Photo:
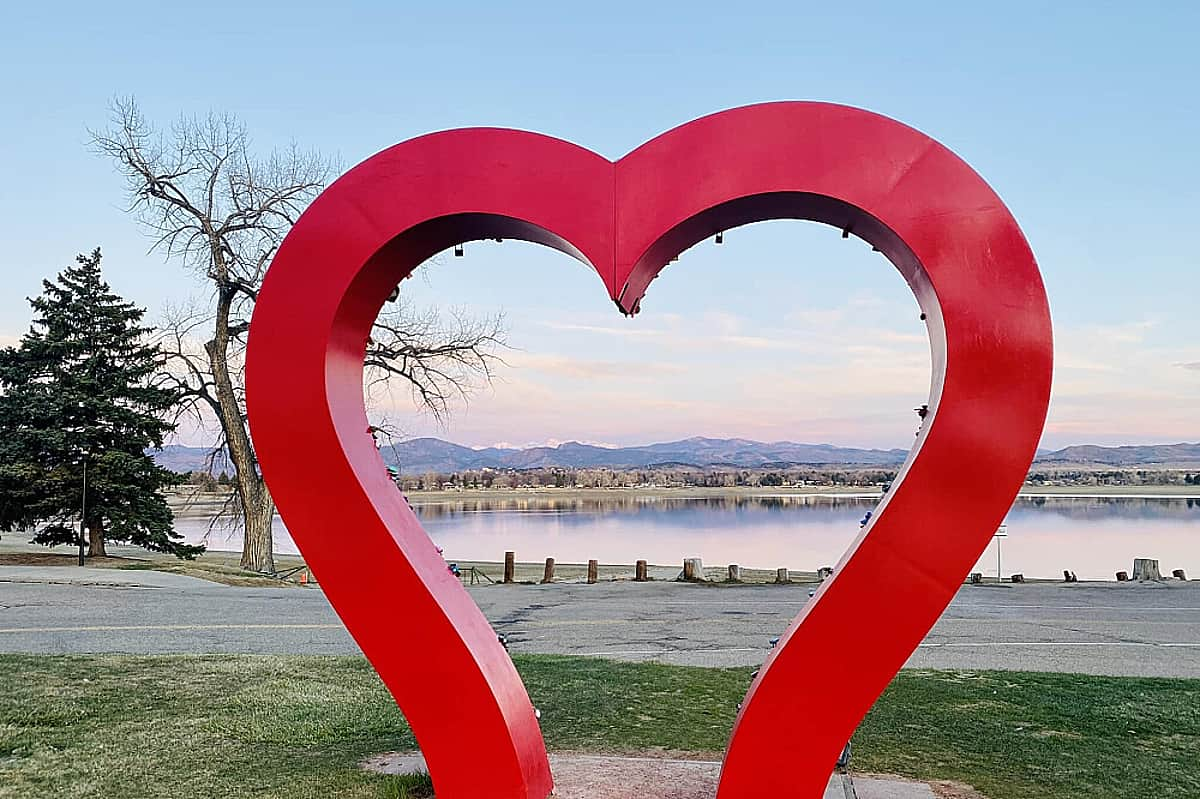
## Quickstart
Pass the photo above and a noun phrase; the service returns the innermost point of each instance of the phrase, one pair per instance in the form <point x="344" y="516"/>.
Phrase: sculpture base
<point x="604" y="777"/>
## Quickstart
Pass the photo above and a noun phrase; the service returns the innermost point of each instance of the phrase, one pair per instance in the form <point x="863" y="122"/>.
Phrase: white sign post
<point x="1002" y="532"/>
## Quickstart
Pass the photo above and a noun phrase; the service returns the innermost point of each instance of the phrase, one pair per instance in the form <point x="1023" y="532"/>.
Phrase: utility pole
<point x="83" y="513"/>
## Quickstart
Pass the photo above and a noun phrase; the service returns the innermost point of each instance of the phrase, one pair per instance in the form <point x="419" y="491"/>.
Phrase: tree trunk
<point x="257" y="543"/>
<point x="257" y="505"/>
<point x="96" y="539"/>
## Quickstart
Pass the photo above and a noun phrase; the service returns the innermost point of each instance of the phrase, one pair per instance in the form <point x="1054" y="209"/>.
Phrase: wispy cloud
<point x="605" y="330"/>
<point x="1124" y="333"/>
<point x="1074" y="362"/>
<point x="1193" y="366"/>
<point x="560" y="366"/>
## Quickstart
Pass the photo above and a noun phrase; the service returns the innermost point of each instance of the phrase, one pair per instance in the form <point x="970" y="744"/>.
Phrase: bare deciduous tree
<point x="219" y="211"/>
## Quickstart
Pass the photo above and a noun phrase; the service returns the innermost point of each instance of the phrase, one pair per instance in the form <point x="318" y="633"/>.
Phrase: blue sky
<point x="1084" y="117"/>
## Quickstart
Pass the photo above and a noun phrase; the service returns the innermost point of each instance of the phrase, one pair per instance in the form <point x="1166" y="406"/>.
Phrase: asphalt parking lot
<point x="1148" y="629"/>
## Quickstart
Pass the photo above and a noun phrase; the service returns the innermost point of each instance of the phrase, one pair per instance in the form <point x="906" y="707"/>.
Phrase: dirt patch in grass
<point x="215" y="573"/>
<point x="954" y="790"/>
<point x="216" y="569"/>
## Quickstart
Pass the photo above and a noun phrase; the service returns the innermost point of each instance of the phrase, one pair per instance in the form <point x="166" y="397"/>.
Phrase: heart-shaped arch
<point x="946" y="231"/>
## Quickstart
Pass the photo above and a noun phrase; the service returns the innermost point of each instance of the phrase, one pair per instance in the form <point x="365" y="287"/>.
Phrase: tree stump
<point x="1122" y="577"/>
<point x="593" y="572"/>
<point x="639" y="573"/>
<point x="693" y="570"/>
<point x="510" y="566"/>
<point x="735" y="573"/>
<point x="548" y="576"/>
<point x="1179" y="574"/>
<point x="1146" y="569"/>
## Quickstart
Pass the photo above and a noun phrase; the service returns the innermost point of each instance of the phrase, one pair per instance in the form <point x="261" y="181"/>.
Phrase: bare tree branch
<point x="442" y="360"/>
<point x="210" y="205"/>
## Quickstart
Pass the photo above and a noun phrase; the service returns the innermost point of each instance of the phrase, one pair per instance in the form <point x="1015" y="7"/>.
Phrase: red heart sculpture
<point x="945" y="230"/>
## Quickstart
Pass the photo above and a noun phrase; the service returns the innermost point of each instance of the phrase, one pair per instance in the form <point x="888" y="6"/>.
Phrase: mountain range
<point x="419" y="455"/>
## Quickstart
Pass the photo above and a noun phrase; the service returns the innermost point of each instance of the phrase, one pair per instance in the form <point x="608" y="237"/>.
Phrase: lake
<point x="1092" y="536"/>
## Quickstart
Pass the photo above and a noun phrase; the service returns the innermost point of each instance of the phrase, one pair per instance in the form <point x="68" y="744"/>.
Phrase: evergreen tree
<point x="79" y="390"/>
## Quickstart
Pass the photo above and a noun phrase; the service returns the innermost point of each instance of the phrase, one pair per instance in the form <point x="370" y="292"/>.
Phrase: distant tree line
<point x="671" y="477"/>
<point x="694" y="477"/>
<point x="205" y="483"/>
<point x="1113" y="477"/>
<point x="718" y="477"/>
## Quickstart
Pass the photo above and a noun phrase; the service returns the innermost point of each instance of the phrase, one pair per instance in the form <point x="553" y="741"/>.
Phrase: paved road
<point x="1127" y="629"/>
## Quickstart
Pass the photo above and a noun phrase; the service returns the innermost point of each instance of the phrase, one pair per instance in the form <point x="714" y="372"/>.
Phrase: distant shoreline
<point x="199" y="502"/>
<point x="766" y="492"/>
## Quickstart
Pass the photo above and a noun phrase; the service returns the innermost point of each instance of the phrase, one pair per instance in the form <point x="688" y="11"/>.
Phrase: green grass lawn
<point x="246" y="726"/>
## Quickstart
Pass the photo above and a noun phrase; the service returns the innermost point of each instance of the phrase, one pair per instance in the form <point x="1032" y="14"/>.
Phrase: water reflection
<point x="1092" y="536"/>
<point x="671" y="510"/>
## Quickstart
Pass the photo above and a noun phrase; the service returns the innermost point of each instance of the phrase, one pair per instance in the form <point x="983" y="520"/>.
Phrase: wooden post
<point x="735" y="573"/>
<point x="548" y="577"/>
<point x="593" y="571"/>
<point x="1018" y="578"/>
<point x="639" y="574"/>
<point x="1122" y="577"/>
<point x="1145" y="569"/>
<point x="510" y="566"/>
<point x="1179" y="574"/>
<point x="693" y="569"/>
<point x="782" y="576"/>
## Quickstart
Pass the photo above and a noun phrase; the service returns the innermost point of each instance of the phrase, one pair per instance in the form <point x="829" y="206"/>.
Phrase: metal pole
<point x="83" y="513"/>
<point x="1001" y="532"/>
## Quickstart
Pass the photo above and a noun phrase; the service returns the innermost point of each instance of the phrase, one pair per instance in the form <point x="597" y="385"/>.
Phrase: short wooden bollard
<point x="1018" y="578"/>
<point x="782" y="577"/>
<point x="976" y="578"/>
<point x="693" y="569"/>
<point x="639" y="572"/>
<point x="1146" y="569"/>
<point x="735" y="573"/>
<point x="548" y="577"/>
<point x="593" y="571"/>
<point x="1179" y="574"/>
<point x="1122" y="577"/>
<point x="510" y="566"/>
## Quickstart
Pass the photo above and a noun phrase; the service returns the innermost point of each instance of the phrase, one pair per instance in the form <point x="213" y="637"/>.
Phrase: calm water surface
<point x="1094" y="537"/>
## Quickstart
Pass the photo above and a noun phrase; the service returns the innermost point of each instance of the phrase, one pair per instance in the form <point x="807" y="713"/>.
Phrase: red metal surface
<point x="926" y="210"/>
